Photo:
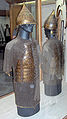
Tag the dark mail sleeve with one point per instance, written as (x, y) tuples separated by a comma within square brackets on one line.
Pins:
[(8, 60)]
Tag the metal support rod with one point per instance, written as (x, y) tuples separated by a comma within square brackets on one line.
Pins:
[(39, 29)]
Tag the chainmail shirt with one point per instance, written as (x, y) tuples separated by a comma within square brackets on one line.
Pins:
[(23, 58), (52, 60)]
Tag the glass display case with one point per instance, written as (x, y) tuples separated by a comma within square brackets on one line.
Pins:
[(27, 90)]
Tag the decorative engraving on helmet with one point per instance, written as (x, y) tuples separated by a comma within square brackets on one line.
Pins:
[(25, 17)]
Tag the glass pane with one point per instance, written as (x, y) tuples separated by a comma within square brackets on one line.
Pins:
[(4, 29)]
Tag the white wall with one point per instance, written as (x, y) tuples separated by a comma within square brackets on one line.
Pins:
[(4, 5), (4, 20), (63, 8)]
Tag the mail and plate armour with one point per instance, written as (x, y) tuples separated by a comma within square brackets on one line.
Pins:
[(24, 61), (25, 67), (52, 60), (26, 73)]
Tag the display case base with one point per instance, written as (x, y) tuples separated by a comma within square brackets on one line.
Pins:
[(53, 88), (25, 112)]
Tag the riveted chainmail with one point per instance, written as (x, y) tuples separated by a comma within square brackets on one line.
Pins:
[(52, 60), (24, 59)]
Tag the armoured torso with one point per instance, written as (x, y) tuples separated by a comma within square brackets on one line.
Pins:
[(25, 65), (26, 72), (52, 59)]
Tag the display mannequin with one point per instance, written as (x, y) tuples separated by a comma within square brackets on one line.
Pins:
[(25, 63), (52, 58)]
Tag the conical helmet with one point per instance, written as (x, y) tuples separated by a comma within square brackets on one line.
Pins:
[(25, 17), (51, 22)]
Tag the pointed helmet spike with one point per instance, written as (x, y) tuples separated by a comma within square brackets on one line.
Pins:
[(51, 22), (25, 17)]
